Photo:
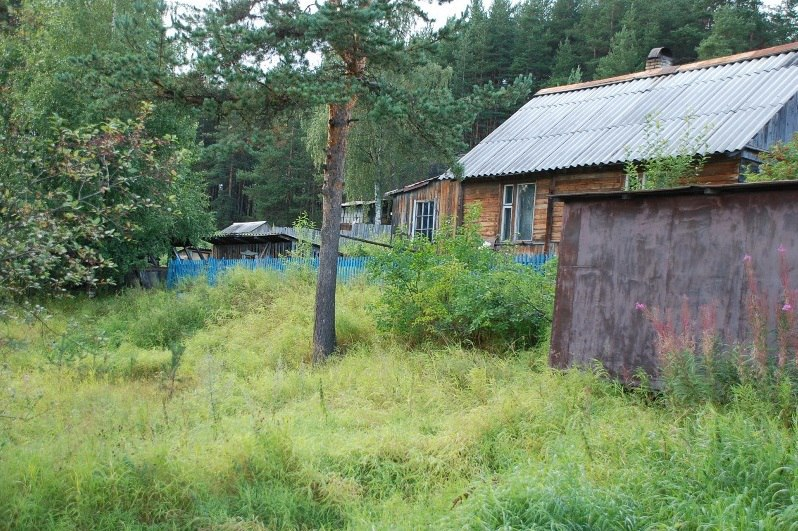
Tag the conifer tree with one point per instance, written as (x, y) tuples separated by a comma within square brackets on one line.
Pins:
[(261, 51), (625, 55)]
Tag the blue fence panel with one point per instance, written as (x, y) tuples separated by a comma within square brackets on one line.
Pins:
[(535, 260), (348, 267)]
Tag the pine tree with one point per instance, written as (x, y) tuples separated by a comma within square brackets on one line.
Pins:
[(532, 54), (625, 55), (737, 27), (565, 61), (259, 50)]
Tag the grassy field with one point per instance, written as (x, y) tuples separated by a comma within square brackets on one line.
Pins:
[(105, 423)]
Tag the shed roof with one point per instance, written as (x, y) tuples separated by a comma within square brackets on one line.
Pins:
[(419, 184), (254, 231), (723, 103)]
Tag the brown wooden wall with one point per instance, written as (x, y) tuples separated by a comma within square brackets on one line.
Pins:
[(488, 193), (447, 193), (454, 197)]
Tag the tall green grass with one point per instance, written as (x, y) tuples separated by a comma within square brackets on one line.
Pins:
[(245, 434)]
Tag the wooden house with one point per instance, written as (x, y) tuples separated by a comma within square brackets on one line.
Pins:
[(577, 138)]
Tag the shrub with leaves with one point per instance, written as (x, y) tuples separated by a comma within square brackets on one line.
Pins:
[(778, 164), (455, 290), (665, 165), (87, 205)]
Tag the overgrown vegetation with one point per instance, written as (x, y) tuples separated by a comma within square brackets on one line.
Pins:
[(453, 290), (779, 163), (658, 164), (239, 431), (698, 366), (91, 205)]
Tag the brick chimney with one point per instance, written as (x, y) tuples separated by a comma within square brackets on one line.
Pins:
[(659, 58)]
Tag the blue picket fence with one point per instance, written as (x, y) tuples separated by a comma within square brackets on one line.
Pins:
[(348, 267)]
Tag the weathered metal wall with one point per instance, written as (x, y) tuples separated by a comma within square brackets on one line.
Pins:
[(656, 248)]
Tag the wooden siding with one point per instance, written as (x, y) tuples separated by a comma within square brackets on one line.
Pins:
[(453, 197), (780, 128), (447, 195), (488, 194)]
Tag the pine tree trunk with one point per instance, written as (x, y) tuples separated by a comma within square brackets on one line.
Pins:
[(332, 196)]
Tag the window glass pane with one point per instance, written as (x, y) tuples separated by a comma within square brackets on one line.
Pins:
[(524, 215), (424, 219), (507, 213), (508, 195)]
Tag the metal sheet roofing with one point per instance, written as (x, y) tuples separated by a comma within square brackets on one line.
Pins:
[(714, 106)]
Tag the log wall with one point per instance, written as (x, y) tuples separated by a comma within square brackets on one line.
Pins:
[(549, 215)]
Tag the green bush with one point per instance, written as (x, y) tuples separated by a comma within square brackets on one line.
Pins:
[(453, 289), (778, 164)]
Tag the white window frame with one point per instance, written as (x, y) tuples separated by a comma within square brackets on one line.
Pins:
[(418, 202), (517, 218), (504, 229)]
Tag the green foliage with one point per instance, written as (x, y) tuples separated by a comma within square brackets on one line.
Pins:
[(303, 227), (92, 205), (453, 289), (780, 163), (626, 55), (94, 181), (735, 29), (246, 434), (665, 165)]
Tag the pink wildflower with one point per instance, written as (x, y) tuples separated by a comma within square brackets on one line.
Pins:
[(747, 258), (787, 307), (640, 306), (781, 249)]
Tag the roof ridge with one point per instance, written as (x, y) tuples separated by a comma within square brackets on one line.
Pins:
[(708, 63)]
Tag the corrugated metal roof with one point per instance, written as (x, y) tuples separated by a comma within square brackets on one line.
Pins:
[(714, 106), (249, 227)]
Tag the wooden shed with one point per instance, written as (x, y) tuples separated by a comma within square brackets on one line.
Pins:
[(256, 239), (667, 249), (418, 208), (577, 138)]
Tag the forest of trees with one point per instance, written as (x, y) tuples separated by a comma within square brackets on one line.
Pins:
[(238, 132), (523, 45)]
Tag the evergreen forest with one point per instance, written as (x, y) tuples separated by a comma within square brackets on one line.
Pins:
[(246, 134)]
